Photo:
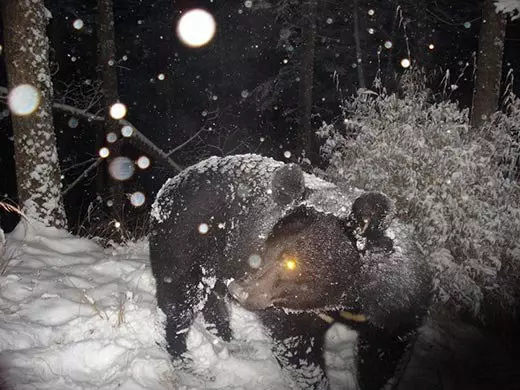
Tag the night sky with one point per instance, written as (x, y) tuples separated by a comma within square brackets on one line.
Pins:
[(240, 88)]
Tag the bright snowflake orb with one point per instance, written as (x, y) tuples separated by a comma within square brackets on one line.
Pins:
[(23, 99), (127, 131), (287, 154), (161, 76), (73, 122), (405, 63), (143, 162), (137, 199), (118, 110), (104, 152), (388, 45), (121, 168), (254, 261), (196, 28), (203, 228), (244, 93), (78, 24), (329, 20), (467, 24), (248, 3), (371, 31), (110, 203), (431, 46), (262, 139), (111, 137), (371, 12)]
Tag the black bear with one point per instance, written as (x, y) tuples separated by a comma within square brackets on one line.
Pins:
[(281, 242)]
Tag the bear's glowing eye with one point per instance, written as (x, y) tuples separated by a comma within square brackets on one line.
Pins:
[(290, 263)]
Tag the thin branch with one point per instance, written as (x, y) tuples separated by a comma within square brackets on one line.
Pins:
[(83, 175), (186, 142), (143, 140)]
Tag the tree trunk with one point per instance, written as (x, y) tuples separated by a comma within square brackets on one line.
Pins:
[(359, 52), (308, 139), (106, 66), (36, 156), (486, 91)]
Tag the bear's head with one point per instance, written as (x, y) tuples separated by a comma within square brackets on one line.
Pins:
[(308, 260)]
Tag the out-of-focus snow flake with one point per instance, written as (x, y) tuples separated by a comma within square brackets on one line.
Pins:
[(137, 199), (127, 131), (73, 122), (405, 63), (388, 44), (467, 24), (23, 99), (244, 93), (203, 228), (196, 27), (329, 20), (78, 24), (248, 3), (161, 76), (371, 12), (111, 137), (117, 110), (371, 30), (254, 261), (104, 152), (285, 33), (431, 46), (287, 154), (121, 168), (143, 162)]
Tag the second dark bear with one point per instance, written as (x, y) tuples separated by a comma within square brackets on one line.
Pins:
[(280, 239)]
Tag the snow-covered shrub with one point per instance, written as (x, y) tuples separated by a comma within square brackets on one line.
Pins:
[(455, 185)]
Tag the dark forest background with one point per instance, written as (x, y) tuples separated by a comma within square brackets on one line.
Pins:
[(240, 93)]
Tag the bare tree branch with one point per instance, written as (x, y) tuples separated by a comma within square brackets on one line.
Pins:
[(153, 149)]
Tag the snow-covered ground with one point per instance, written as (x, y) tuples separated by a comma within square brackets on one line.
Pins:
[(74, 315)]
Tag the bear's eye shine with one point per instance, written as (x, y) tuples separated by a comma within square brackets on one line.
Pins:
[(289, 262)]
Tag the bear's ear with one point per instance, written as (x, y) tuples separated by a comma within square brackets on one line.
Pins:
[(371, 212), (288, 184)]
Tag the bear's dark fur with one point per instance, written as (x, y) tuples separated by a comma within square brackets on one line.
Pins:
[(280, 239)]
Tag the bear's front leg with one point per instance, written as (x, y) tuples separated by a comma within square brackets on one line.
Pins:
[(180, 302), (298, 346)]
